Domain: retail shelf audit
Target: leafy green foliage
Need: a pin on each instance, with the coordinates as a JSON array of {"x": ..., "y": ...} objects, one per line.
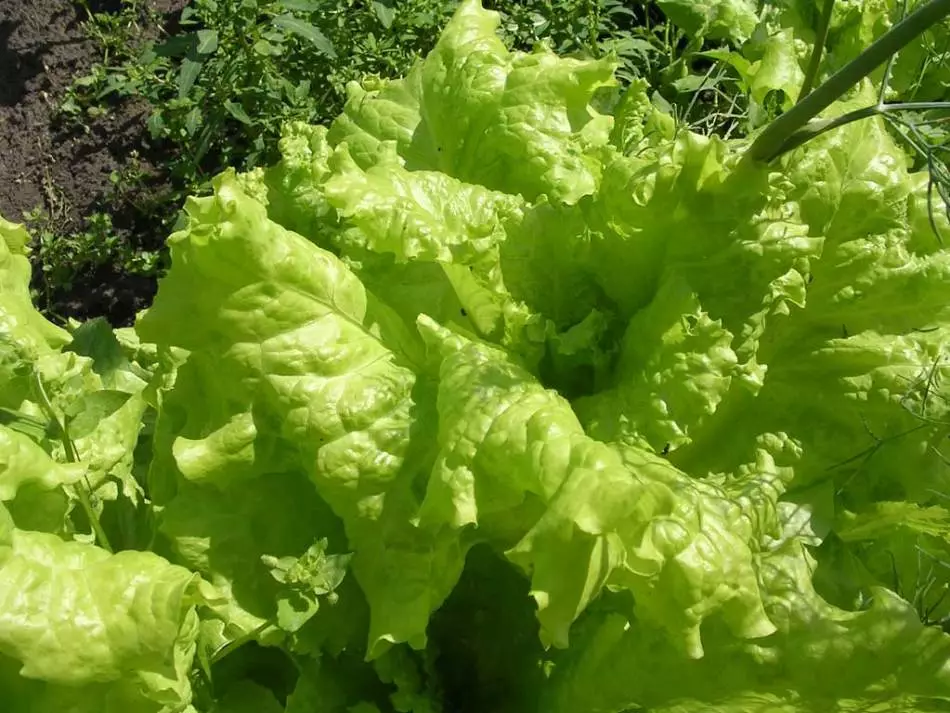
[
  {"x": 117, "y": 36},
  {"x": 306, "y": 577},
  {"x": 503, "y": 392},
  {"x": 220, "y": 89},
  {"x": 64, "y": 255},
  {"x": 70, "y": 247},
  {"x": 223, "y": 86}
]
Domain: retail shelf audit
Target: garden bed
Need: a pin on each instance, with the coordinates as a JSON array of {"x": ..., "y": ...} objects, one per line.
[{"x": 55, "y": 170}]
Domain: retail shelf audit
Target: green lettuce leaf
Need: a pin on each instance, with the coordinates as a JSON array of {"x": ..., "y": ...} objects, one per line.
[
  {"x": 721, "y": 19},
  {"x": 76, "y": 616},
  {"x": 288, "y": 328},
  {"x": 607, "y": 517},
  {"x": 883, "y": 658},
  {"x": 472, "y": 99},
  {"x": 32, "y": 483},
  {"x": 20, "y": 323},
  {"x": 418, "y": 215},
  {"x": 23, "y": 464},
  {"x": 300, "y": 358},
  {"x": 294, "y": 187},
  {"x": 224, "y": 535}
]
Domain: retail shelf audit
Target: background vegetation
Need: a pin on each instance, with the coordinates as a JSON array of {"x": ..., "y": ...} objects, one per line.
[{"x": 218, "y": 81}]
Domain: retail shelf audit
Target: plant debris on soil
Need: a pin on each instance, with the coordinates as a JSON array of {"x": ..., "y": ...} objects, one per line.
[{"x": 61, "y": 168}]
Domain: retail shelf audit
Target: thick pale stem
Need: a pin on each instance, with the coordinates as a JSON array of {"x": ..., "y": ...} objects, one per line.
[
  {"x": 237, "y": 643},
  {"x": 771, "y": 142},
  {"x": 816, "y": 128}
]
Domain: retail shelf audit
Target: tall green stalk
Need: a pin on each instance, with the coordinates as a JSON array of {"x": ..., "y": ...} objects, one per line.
[
  {"x": 772, "y": 142},
  {"x": 814, "y": 128},
  {"x": 814, "y": 61}
]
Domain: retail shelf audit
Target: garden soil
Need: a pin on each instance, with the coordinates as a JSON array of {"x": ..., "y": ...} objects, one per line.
[{"x": 63, "y": 169}]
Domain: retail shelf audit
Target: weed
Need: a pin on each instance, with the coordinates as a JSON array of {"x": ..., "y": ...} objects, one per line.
[
  {"x": 119, "y": 37},
  {"x": 65, "y": 249}
]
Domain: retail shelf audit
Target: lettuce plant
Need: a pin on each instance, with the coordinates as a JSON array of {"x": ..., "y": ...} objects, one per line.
[{"x": 501, "y": 393}]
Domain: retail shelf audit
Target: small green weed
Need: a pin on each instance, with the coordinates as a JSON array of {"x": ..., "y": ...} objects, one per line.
[
  {"x": 65, "y": 248},
  {"x": 118, "y": 37},
  {"x": 64, "y": 254}
]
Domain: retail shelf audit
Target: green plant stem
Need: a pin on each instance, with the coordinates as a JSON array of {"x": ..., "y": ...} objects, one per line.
[
  {"x": 890, "y": 63},
  {"x": 85, "y": 6},
  {"x": 815, "y": 128},
  {"x": 771, "y": 142},
  {"x": 72, "y": 456},
  {"x": 821, "y": 37},
  {"x": 237, "y": 643}
]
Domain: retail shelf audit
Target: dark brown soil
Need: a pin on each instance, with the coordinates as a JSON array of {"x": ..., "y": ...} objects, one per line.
[{"x": 64, "y": 169}]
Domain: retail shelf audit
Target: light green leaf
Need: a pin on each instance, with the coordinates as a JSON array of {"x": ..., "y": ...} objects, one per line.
[
  {"x": 776, "y": 68},
  {"x": 225, "y": 456},
  {"x": 108, "y": 426},
  {"x": 719, "y": 19},
  {"x": 24, "y": 332},
  {"x": 470, "y": 99},
  {"x": 884, "y": 659},
  {"x": 676, "y": 365},
  {"x": 294, "y": 186},
  {"x": 611, "y": 516},
  {"x": 418, "y": 215},
  {"x": 24, "y": 463},
  {"x": 76, "y": 615},
  {"x": 543, "y": 261},
  {"x": 207, "y": 41},
  {"x": 305, "y": 578},
  {"x": 314, "y": 370},
  {"x": 313, "y": 362},
  {"x": 224, "y": 535}
]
